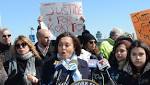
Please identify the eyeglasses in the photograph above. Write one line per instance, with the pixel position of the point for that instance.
(9, 35)
(91, 42)
(22, 45)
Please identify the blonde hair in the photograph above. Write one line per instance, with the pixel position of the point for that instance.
(32, 48)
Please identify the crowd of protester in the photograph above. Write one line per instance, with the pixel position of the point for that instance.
(67, 60)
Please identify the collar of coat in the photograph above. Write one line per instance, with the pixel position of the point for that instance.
(127, 68)
(4, 47)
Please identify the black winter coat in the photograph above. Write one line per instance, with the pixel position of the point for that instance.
(45, 67)
(127, 77)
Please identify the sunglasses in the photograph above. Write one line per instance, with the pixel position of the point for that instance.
(9, 35)
(22, 45)
(91, 42)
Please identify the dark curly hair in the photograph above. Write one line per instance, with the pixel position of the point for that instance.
(76, 42)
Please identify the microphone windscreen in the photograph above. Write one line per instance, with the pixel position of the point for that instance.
(103, 64)
(92, 63)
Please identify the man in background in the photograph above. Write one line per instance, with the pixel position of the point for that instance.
(106, 46)
(5, 45)
(45, 66)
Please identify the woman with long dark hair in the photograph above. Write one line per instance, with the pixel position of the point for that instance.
(137, 69)
(118, 57)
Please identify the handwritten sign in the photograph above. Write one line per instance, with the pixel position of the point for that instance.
(141, 22)
(63, 17)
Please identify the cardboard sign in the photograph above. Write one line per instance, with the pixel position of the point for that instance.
(63, 17)
(141, 22)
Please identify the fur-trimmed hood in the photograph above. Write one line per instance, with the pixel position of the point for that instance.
(127, 68)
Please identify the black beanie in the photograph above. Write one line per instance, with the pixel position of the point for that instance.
(87, 37)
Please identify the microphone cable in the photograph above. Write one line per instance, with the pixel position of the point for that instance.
(103, 80)
(111, 80)
(58, 77)
(66, 81)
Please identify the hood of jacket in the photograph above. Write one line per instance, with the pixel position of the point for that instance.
(127, 68)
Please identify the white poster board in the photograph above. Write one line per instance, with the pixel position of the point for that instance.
(63, 17)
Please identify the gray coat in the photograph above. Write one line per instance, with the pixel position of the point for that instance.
(14, 72)
(4, 59)
(3, 74)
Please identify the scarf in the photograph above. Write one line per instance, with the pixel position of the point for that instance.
(30, 67)
(24, 56)
(71, 64)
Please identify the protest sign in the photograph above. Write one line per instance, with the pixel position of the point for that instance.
(63, 17)
(141, 22)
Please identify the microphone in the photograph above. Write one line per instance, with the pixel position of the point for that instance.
(58, 74)
(92, 63)
(67, 80)
(100, 64)
(69, 68)
(103, 64)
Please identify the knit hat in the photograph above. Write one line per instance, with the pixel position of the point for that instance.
(123, 37)
(85, 32)
(87, 37)
(125, 40)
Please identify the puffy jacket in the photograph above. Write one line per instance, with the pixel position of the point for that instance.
(106, 47)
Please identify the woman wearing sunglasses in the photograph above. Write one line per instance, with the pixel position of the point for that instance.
(90, 48)
(90, 45)
(22, 65)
